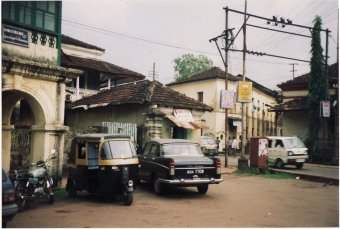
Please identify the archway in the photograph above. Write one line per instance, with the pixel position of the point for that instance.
(20, 112)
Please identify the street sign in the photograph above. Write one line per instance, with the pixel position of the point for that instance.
(227, 99)
(326, 109)
(244, 92)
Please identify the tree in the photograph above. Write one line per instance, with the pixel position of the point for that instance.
(188, 65)
(318, 86)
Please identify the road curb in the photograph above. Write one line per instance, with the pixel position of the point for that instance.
(328, 180)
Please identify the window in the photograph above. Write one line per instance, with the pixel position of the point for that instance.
(153, 150)
(81, 151)
(200, 96)
(117, 149)
(41, 15)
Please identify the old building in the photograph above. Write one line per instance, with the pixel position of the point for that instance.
(206, 87)
(97, 74)
(295, 112)
(154, 110)
(33, 84)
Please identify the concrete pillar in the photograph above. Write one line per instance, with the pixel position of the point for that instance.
(6, 148)
(153, 124)
(50, 139)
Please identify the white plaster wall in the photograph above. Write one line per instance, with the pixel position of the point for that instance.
(33, 51)
(211, 96)
(295, 123)
(81, 52)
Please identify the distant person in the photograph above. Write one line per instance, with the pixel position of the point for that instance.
(218, 144)
(234, 146)
(229, 149)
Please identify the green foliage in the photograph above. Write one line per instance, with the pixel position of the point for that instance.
(60, 194)
(188, 65)
(318, 86)
(250, 171)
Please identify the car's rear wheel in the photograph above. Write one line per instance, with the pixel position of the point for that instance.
(202, 189)
(157, 186)
(279, 164)
(299, 165)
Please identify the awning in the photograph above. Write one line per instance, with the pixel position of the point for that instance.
(188, 125)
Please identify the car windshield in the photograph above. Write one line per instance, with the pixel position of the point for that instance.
(208, 141)
(181, 149)
(293, 143)
(118, 149)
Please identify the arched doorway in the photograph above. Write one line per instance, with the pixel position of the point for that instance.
(20, 112)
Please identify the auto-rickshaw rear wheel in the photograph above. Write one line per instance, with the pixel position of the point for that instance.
(128, 198)
(72, 190)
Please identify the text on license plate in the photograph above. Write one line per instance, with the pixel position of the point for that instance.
(195, 171)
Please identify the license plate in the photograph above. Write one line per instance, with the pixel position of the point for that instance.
(300, 160)
(195, 171)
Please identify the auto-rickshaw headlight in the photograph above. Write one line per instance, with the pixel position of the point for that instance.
(130, 183)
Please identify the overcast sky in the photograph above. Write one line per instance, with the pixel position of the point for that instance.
(137, 33)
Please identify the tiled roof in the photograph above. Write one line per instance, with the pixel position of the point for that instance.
(141, 92)
(215, 73)
(292, 105)
(71, 41)
(333, 75)
(98, 65)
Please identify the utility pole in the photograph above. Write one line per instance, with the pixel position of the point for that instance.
(243, 162)
(153, 71)
(226, 121)
(293, 64)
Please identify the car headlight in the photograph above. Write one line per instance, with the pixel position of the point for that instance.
(130, 183)
(290, 153)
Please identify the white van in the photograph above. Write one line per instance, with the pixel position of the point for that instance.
(286, 151)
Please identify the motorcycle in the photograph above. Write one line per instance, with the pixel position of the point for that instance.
(33, 184)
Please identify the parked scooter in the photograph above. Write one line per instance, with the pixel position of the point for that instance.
(33, 184)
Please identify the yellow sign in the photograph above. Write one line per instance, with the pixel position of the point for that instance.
(244, 92)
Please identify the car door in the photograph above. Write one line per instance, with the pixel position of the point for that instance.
(143, 161)
(279, 150)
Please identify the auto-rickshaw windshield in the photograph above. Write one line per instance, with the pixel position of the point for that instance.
(118, 149)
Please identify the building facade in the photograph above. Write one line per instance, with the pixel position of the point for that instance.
(295, 113)
(33, 84)
(206, 87)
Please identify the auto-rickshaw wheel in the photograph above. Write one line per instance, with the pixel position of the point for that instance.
(72, 191)
(128, 199)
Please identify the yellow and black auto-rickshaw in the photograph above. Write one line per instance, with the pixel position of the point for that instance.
(104, 164)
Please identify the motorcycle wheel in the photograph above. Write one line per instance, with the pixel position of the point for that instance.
(128, 199)
(19, 196)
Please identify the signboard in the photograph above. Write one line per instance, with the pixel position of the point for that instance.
(244, 92)
(14, 35)
(326, 109)
(183, 115)
(227, 99)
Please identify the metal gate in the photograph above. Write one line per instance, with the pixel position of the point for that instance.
(121, 128)
(20, 147)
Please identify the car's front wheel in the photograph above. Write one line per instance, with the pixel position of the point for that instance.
(157, 186)
(202, 189)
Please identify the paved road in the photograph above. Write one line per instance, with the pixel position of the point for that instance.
(239, 201)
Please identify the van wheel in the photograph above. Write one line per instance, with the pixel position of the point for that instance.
(157, 186)
(202, 189)
(128, 199)
(299, 165)
(279, 164)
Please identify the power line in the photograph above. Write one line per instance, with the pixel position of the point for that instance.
(140, 39)
(110, 33)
